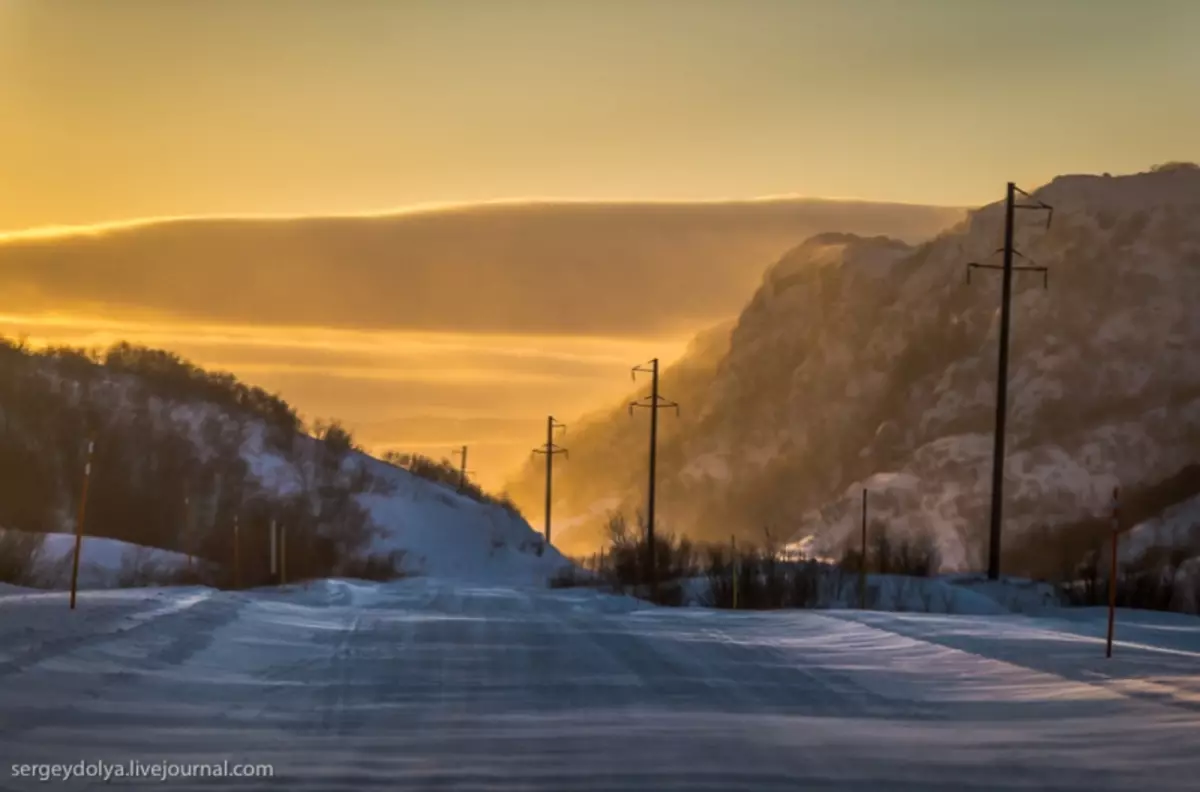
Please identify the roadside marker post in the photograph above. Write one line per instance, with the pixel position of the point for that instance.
(87, 475)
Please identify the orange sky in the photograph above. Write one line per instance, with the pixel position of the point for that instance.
(128, 108)
(124, 109)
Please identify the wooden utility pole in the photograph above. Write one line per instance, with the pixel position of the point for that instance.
(1112, 575)
(87, 475)
(237, 553)
(1007, 268)
(272, 534)
(733, 565)
(550, 449)
(862, 565)
(283, 555)
(654, 404)
(462, 470)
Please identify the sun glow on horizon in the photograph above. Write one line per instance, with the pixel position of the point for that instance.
(403, 390)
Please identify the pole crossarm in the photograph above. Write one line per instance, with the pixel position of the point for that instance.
(1023, 268)
(651, 403)
(1038, 205)
(461, 453)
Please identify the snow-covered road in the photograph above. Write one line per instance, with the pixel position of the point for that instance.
(435, 685)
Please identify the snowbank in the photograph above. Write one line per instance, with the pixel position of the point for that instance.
(101, 561)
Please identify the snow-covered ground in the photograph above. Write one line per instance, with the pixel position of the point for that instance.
(427, 684)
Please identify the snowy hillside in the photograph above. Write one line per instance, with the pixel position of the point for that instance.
(199, 465)
(437, 531)
(871, 363)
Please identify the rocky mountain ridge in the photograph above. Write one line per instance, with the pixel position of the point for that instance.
(867, 362)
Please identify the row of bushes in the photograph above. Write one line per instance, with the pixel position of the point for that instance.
(174, 378)
(449, 475)
(1161, 579)
(763, 578)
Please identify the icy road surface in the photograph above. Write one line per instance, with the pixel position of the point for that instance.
(427, 685)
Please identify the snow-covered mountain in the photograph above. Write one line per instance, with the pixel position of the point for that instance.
(867, 362)
(185, 460)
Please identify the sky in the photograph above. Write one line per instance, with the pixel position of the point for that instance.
(125, 109)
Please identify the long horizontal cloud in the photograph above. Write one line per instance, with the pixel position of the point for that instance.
(576, 269)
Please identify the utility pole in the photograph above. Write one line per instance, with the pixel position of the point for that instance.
(274, 537)
(462, 470)
(237, 553)
(654, 404)
(87, 475)
(550, 449)
(1112, 575)
(862, 562)
(1010, 207)
(733, 566)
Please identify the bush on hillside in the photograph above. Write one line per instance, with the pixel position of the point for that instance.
(379, 567)
(19, 555)
(762, 580)
(449, 475)
(175, 378)
(1073, 554)
(910, 555)
(1154, 581)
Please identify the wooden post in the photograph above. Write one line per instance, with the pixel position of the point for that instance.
(283, 555)
(188, 529)
(733, 564)
(862, 562)
(1112, 575)
(272, 533)
(237, 558)
(87, 475)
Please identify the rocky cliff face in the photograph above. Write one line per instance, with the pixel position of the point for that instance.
(865, 362)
